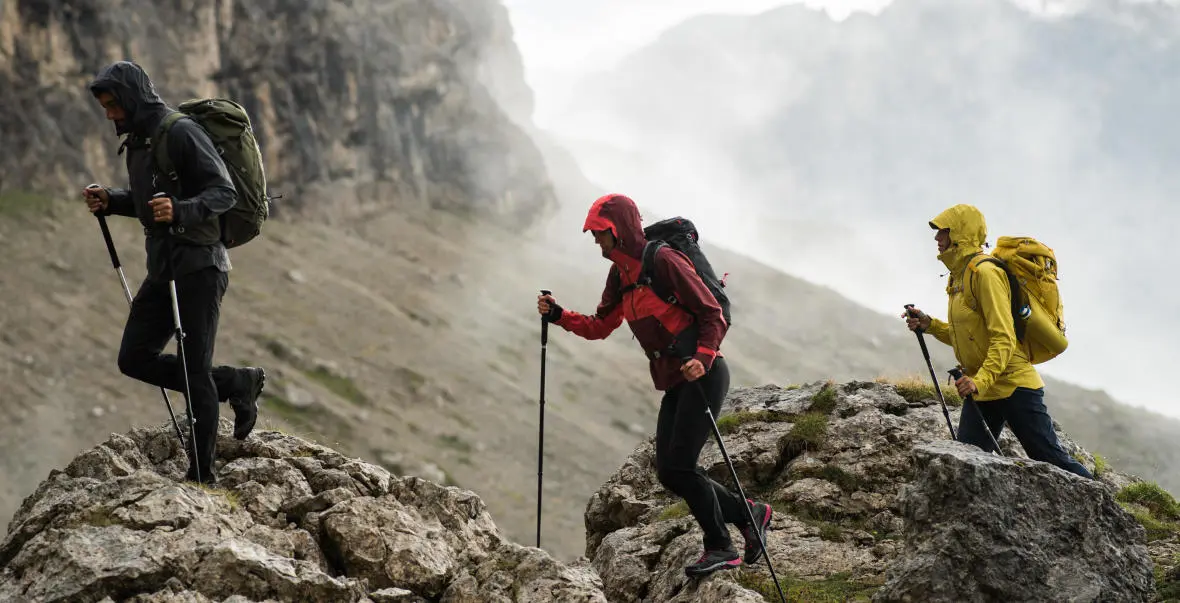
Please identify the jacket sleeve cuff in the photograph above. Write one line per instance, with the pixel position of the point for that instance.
(705, 356)
(983, 382)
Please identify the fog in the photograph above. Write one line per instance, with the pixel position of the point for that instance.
(822, 143)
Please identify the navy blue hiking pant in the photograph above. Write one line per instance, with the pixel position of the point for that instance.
(1025, 414)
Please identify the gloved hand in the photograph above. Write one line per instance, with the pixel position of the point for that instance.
(547, 307)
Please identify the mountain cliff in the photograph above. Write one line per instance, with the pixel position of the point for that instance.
(371, 104)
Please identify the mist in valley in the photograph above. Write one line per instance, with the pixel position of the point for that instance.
(823, 142)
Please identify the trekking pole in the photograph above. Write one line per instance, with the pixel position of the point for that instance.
(541, 424)
(741, 492)
(909, 308)
(188, 394)
(106, 235)
(957, 373)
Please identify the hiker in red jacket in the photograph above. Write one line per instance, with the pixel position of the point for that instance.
(681, 341)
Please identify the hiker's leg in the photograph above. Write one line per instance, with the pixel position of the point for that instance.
(1031, 424)
(716, 386)
(149, 328)
(199, 296)
(679, 472)
(664, 425)
(971, 429)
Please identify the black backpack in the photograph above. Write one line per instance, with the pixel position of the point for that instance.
(680, 234)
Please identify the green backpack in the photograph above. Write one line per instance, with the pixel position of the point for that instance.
(229, 127)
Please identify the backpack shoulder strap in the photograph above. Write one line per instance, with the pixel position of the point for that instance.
(163, 160)
(1015, 294)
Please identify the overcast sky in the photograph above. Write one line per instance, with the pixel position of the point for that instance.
(562, 41)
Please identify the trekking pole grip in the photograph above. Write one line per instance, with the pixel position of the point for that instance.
(909, 310)
(545, 323)
(106, 231)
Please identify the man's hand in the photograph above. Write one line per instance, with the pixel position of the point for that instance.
(547, 307)
(161, 208)
(915, 319)
(96, 198)
(692, 370)
(966, 386)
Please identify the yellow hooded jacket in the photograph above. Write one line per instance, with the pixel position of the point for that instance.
(980, 327)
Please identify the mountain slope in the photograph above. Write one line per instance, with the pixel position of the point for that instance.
(825, 146)
(397, 326)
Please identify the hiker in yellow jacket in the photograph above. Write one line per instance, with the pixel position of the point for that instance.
(997, 372)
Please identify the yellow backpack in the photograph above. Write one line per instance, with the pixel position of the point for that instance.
(1037, 311)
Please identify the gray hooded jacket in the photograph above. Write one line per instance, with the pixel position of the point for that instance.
(201, 194)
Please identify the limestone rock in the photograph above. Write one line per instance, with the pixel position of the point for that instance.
(356, 105)
(289, 521)
(985, 528)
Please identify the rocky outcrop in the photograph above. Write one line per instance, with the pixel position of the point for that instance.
(858, 514)
(871, 502)
(984, 528)
(290, 521)
(365, 104)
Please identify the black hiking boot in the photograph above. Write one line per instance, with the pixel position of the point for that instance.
(712, 561)
(752, 533)
(208, 478)
(246, 405)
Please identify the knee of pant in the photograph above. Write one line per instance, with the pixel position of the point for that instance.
(667, 478)
(129, 365)
(672, 477)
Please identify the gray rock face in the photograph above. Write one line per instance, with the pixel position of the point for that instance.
(833, 461)
(290, 521)
(366, 103)
(985, 528)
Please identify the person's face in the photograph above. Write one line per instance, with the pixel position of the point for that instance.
(605, 241)
(943, 237)
(115, 113)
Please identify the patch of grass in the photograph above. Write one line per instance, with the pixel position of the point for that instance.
(824, 401)
(1154, 508)
(834, 474)
(1101, 467)
(674, 511)
(809, 432)
(276, 404)
(1150, 495)
(454, 441)
(277, 348)
(732, 421)
(230, 496)
(1167, 581)
(341, 386)
(916, 390)
(413, 378)
(15, 202)
(837, 588)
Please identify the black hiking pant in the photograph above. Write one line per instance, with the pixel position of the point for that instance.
(681, 432)
(150, 328)
(1025, 413)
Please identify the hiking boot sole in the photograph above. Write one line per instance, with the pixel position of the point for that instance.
(695, 572)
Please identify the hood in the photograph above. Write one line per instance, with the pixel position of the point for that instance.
(968, 234)
(620, 215)
(132, 87)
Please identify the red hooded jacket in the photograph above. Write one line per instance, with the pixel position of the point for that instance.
(654, 322)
